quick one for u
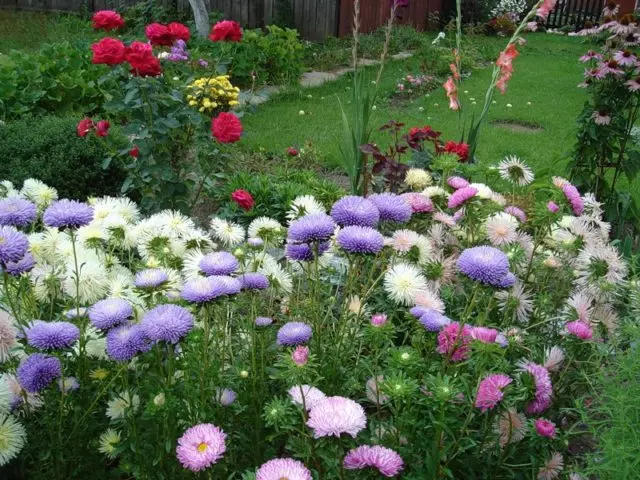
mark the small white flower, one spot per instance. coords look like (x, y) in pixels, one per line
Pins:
(228, 233)
(374, 108)
(509, 105)
(301, 112)
(175, 79)
(304, 205)
(421, 109)
(515, 171)
(117, 407)
(108, 442)
(403, 282)
(309, 96)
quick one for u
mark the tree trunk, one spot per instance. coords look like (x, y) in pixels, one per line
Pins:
(201, 16)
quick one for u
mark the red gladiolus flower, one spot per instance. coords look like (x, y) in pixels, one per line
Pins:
(134, 152)
(84, 127)
(226, 128)
(226, 31)
(107, 20)
(143, 63)
(158, 34)
(102, 128)
(461, 149)
(292, 152)
(108, 51)
(178, 31)
(243, 199)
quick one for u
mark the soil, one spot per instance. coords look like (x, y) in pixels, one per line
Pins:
(518, 126)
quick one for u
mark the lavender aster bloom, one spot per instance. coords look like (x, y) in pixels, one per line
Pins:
(218, 263)
(230, 285)
(303, 252)
(52, 335)
(37, 371)
(507, 281)
(255, 242)
(109, 313)
(312, 228)
(392, 207)
(418, 311)
(167, 323)
(356, 239)
(263, 321)
(178, 51)
(516, 212)
(203, 289)
(203, 63)
(484, 264)
(457, 182)
(433, 321)
(125, 342)
(17, 212)
(68, 213)
(151, 278)
(201, 446)
(68, 384)
(24, 265)
(334, 416)
(225, 397)
(352, 210)
(387, 461)
(13, 245)
(253, 281)
(294, 333)
(461, 196)
(283, 468)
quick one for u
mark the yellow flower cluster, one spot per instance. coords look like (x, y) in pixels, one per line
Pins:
(212, 93)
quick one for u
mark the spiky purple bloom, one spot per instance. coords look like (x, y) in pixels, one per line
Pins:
(356, 239)
(392, 207)
(52, 335)
(335, 416)
(353, 210)
(24, 265)
(68, 384)
(484, 264)
(418, 311)
(168, 323)
(201, 446)
(378, 319)
(484, 334)
(461, 196)
(13, 245)
(457, 182)
(203, 289)
(283, 468)
(490, 391)
(316, 227)
(68, 213)
(263, 321)
(110, 312)
(37, 371)
(574, 198)
(294, 333)
(225, 397)
(385, 460)
(125, 342)
(17, 212)
(218, 263)
(151, 278)
(300, 355)
(516, 212)
(253, 281)
(544, 389)
(433, 320)
(304, 252)
(508, 281)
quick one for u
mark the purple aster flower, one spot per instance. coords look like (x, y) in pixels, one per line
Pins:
(303, 252)
(484, 264)
(253, 281)
(167, 323)
(378, 319)
(502, 340)
(355, 239)
(457, 182)
(458, 215)
(203, 63)
(68, 384)
(385, 460)
(110, 312)
(352, 210)
(461, 196)
(392, 207)
(201, 446)
(516, 212)
(225, 397)
(178, 52)
(419, 203)
(543, 387)
(13, 245)
(218, 263)
(24, 265)
(574, 199)
(151, 278)
(283, 468)
(37, 371)
(230, 285)
(418, 311)
(316, 227)
(294, 333)
(17, 212)
(335, 416)
(433, 321)
(203, 289)
(52, 335)
(263, 321)
(126, 341)
(508, 281)
(67, 213)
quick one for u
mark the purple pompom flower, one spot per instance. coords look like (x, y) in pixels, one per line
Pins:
(253, 281)
(203, 289)
(151, 278)
(356, 239)
(218, 263)
(37, 371)
(316, 227)
(490, 391)
(68, 213)
(516, 212)
(17, 212)
(168, 323)
(335, 416)
(457, 182)
(52, 335)
(574, 198)
(353, 210)
(304, 252)
(24, 265)
(263, 321)
(13, 245)
(294, 333)
(110, 312)
(201, 446)
(283, 468)
(385, 460)
(433, 320)
(378, 319)
(418, 202)
(484, 264)
(508, 281)
(392, 207)
(461, 196)
(300, 355)
(125, 342)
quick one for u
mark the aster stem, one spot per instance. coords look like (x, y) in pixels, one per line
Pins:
(205, 358)
(82, 341)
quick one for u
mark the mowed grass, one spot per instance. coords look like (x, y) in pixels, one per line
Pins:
(542, 92)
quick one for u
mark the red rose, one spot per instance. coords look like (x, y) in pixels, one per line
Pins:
(143, 63)
(108, 51)
(134, 152)
(226, 31)
(102, 128)
(226, 128)
(107, 20)
(460, 149)
(292, 152)
(243, 199)
(84, 127)
(179, 31)
(158, 34)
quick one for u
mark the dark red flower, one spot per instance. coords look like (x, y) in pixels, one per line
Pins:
(107, 20)
(421, 133)
(461, 149)
(226, 31)
(226, 128)
(143, 63)
(134, 152)
(84, 127)
(108, 51)
(178, 31)
(158, 34)
(292, 152)
(102, 128)
(243, 199)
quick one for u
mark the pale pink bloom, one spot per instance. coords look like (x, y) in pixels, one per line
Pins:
(335, 416)
(385, 460)
(306, 395)
(484, 334)
(552, 468)
(427, 298)
(300, 355)
(404, 240)
(502, 228)
(201, 446)
(634, 84)
(444, 218)
(545, 428)
(610, 67)
(625, 58)
(458, 215)
(490, 391)
(452, 93)
(378, 319)
(581, 302)
(516, 298)
(510, 426)
(591, 55)
(553, 207)
(419, 203)
(283, 468)
(532, 26)
(580, 329)
(457, 182)
(559, 181)
(516, 212)
(601, 117)
(554, 359)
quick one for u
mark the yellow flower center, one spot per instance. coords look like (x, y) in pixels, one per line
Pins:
(202, 447)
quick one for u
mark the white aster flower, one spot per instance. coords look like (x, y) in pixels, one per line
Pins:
(417, 178)
(7, 190)
(93, 281)
(228, 233)
(599, 266)
(501, 228)
(12, 438)
(267, 229)
(175, 224)
(117, 407)
(435, 191)
(554, 358)
(404, 240)
(515, 171)
(516, 299)
(8, 334)
(191, 264)
(429, 299)
(92, 234)
(559, 181)
(108, 443)
(279, 278)
(304, 205)
(484, 191)
(32, 400)
(38, 192)
(403, 282)
(46, 282)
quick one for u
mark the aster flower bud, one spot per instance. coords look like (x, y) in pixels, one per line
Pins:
(300, 355)
(379, 319)
(159, 399)
(244, 374)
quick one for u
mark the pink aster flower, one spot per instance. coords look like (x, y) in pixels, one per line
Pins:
(624, 58)
(545, 428)
(418, 202)
(574, 198)
(516, 212)
(544, 389)
(490, 391)
(484, 334)
(378, 319)
(335, 416)
(580, 329)
(453, 340)
(306, 395)
(553, 207)
(300, 355)
(286, 468)
(591, 55)
(461, 196)
(201, 446)
(457, 182)
(601, 117)
(445, 218)
(387, 461)
(634, 84)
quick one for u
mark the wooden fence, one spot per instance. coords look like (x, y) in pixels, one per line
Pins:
(574, 13)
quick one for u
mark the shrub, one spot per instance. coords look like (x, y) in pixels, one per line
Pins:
(501, 25)
(49, 149)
